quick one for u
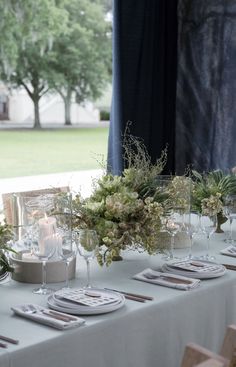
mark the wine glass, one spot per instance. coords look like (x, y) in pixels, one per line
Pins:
(44, 250)
(229, 210)
(208, 226)
(87, 245)
(171, 225)
(192, 227)
(66, 251)
(41, 232)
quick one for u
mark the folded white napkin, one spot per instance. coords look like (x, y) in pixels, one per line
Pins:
(229, 251)
(167, 279)
(36, 313)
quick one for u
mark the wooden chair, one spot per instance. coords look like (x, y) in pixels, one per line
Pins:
(212, 362)
(195, 354)
(228, 348)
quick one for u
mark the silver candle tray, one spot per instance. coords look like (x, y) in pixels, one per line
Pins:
(31, 271)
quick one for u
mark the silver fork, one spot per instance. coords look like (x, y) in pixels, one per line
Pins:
(30, 309)
(165, 277)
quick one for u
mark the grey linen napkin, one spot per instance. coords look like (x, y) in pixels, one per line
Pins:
(40, 317)
(229, 251)
(168, 280)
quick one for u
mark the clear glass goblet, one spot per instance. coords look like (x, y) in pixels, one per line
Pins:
(44, 252)
(192, 227)
(87, 245)
(171, 225)
(208, 227)
(66, 251)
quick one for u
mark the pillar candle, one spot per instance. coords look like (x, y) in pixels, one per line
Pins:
(47, 227)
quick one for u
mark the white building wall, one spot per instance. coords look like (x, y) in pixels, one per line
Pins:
(20, 107)
(21, 110)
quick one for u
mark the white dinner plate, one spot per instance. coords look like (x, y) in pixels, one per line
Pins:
(75, 297)
(63, 305)
(211, 270)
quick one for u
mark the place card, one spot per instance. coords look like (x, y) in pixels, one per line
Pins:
(87, 298)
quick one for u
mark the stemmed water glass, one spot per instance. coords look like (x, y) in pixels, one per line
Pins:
(192, 227)
(175, 192)
(229, 210)
(44, 254)
(66, 249)
(171, 225)
(66, 252)
(208, 227)
(41, 232)
(87, 245)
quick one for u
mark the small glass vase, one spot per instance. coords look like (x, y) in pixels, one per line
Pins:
(220, 219)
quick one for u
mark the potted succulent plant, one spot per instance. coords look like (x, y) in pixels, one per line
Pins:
(209, 193)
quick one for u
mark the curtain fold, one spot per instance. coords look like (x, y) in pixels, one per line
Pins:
(144, 77)
(206, 108)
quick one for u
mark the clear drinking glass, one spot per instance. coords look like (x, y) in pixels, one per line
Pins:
(171, 225)
(229, 211)
(208, 227)
(62, 212)
(175, 192)
(66, 251)
(192, 227)
(43, 217)
(44, 253)
(87, 245)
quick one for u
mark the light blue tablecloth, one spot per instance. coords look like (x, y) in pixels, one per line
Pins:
(152, 334)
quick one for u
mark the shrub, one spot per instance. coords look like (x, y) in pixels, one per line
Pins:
(104, 115)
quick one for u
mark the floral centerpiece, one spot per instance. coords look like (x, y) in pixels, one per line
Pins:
(209, 193)
(125, 210)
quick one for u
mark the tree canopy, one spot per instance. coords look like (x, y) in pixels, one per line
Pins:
(62, 45)
(81, 61)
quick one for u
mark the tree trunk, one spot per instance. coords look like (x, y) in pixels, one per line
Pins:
(36, 114)
(35, 95)
(67, 103)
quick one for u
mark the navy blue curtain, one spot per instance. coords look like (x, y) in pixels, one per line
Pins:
(206, 87)
(144, 77)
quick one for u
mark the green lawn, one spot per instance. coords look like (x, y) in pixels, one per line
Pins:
(29, 152)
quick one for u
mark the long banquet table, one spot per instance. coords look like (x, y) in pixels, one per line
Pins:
(150, 334)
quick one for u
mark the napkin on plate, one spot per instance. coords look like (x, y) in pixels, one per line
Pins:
(27, 310)
(229, 251)
(167, 279)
